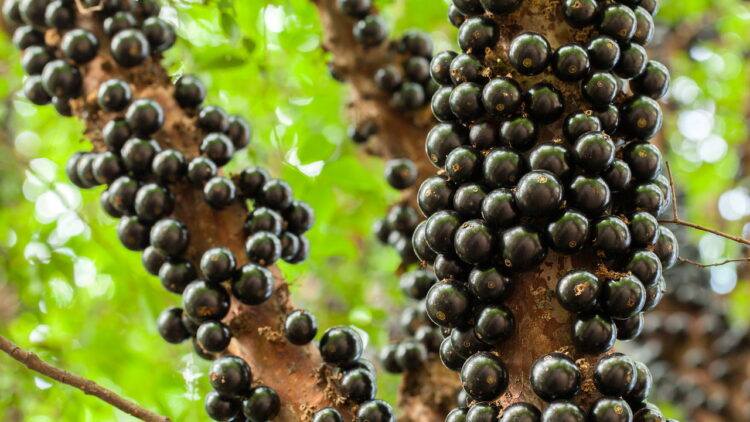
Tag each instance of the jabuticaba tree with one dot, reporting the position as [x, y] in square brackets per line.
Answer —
[542, 214]
[391, 87]
[211, 238]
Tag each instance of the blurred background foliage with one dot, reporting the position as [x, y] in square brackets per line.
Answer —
[71, 293]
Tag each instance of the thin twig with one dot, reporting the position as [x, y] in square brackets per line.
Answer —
[33, 362]
[677, 220]
[716, 264]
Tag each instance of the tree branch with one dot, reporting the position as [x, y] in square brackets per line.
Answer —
[34, 363]
[716, 264]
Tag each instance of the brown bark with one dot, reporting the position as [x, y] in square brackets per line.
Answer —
[296, 373]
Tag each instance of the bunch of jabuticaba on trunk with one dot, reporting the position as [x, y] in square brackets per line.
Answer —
[542, 212]
[213, 239]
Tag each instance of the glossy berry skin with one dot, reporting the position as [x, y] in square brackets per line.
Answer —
[169, 236]
[641, 117]
[370, 31]
[122, 194]
[648, 414]
[160, 35]
[25, 36]
[530, 53]
[579, 13]
[439, 70]
[489, 285]
[252, 284]
[217, 147]
[133, 234]
[61, 79]
[415, 284]
[563, 411]
[474, 242]
[499, 7]
[145, 116]
[570, 62]
[633, 61]
[327, 414]
[520, 133]
[466, 68]
[340, 346]
[644, 29]
[300, 327]
[217, 264]
[611, 236]
[645, 266]
[138, 154]
[442, 139]
[539, 194]
[653, 82]
[59, 15]
[264, 219]
[239, 132]
[569, 233]
[501, 96]
[623, 297]
[213, 119]
[578, 291]
[503, 168]
[354, 8]
[468, 7]
[476, 34]
[79, 45]
[189, 91]
[523, 249]
[358, 385]
[440, 105]
[200, 170]
[118, 22]
[600, 89]
[462, 165]
[220, 408]
[667, 248]
[608, 409]
[440, 230]
[618, 176]
[449, 267]
[130, 47]
[484, 376]
[644, 160]
[219, 192]
[169, 166]
[594, 334]
[466, 101]
[251, 180]
[35, 92]
[115, 133]
[521, 412]
[262, 404]
[400, 173]
[375, 411]
[594, 152]
[604, 52]
[35, 58]
[114, 95]
[615, 375]
[153, 202]
[276, 194]
[213, 336]
[618, 22]
[643, 384]
[153, 259]
[544, 103]
[263, 248]
[448, 304]
[204, 301]
[230, 376]
[481, 412]
[299, 217]
[175, 275]
[171, 329]
[499, 208]
[449, 356]
[555, 376]
[468, 200]
[494, 324]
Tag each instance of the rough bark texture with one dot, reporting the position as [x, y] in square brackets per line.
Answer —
[296, 373]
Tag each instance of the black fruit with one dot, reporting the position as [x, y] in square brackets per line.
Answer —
[340, 346]
[570, 62]
[641, 117]
[580, 13]
[615, 375]
[262, 404]
[466, 68]
[555, 377]
[138, 154]
[578, 291]
[494, 324]
[219, 192]
[611, 236]
[539, 194]
[153, 202]
[200, 170]
[618, 22]
[169, 166]
[79, 45]
[521, 412]
[500, 6]
[370, 31]
[476, 34]
[463, 164]
[633, 61]
[577, 124]
[119, 21]
[129, 47]
[400, 173]
[375, 411]
[466, 101]
[594, 334]
[608, 409]
[153, 259]
[544, 103]
[300, 327]
[653, 82]
[503, 168]
[520, 133]
[448, 304]
[133, 234]
[175, 275]
[61, 79]
[358, 385]
[189, 91]
[604, 52]
[501, 96]
[59, 15]
[213, 336]
[114, 95]
[253, 284]
[217, 264]
[145, 116]
[489, 285]
[217, 147]
[169, 236]
[115, 133]
[327, 414]
[600, 89]
[569, 232]
[170, 326]
[530, 53]
[523, 249]
[499, 208]
[204, 301]
[35, 58]
[594, 151]
[484, 376]
[220, 408]
[34, 90]
[230, 376]
[618, 176]
[160, 34]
